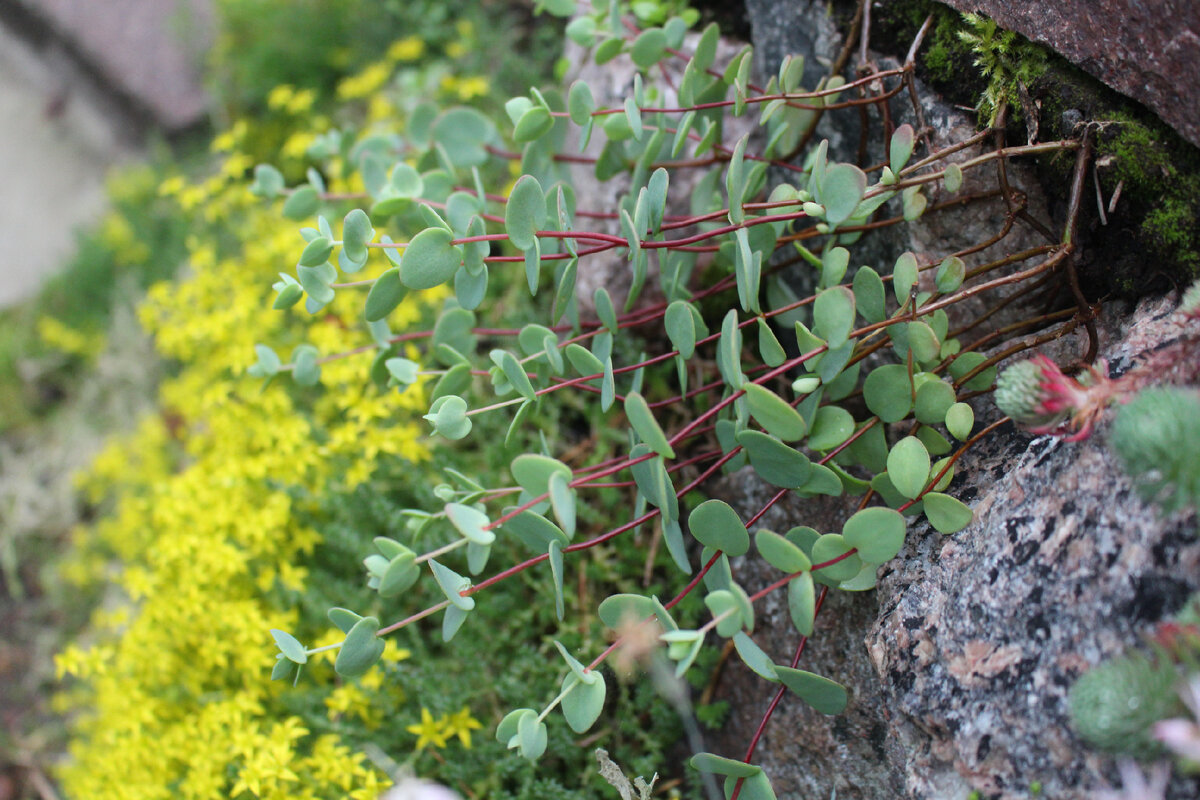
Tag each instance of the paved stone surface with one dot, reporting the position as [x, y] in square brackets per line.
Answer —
[1146, 49]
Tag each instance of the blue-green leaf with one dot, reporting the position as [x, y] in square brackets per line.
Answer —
[361, 649]
[775, 414]
[908, 466]
[430, 259]
[754, 656]
[525, 212]
[290, 646]
[775, 462]
[715, 524]
[642, 419]
[945, 513]
[877, 533]
[826, 696]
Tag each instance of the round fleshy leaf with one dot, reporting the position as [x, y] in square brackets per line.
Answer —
[623, 608]
[754, 656]
[464, 134]
[535, 531]
[533, 471]
[403, 371]
[841, 190]
[826, 696]
[901, 147]
[774, 413]
[723, 605]
[904, 276]
[452, 584]
[343, 618]
[719, 765]
[934, 399]
[833, 315]
[301, 203]
[449, 417]
[829, 547]
[802, 604]
[361, 649]
[507, 729]
[430, 259]
[401, 573]
[769, 348]
[583, 360]
[960, 419]
[781, 553]
[831, 426]
[908, 466]
[776, 463]
[525, 212]
[869, 297]
[968, 362]
[535, 123]
[470, 522]
[290, 646]
[681, 327]
[356, 233]
[268, 181]
[953, 178]
[316, 252]
[531, 737]
[582, 705]
[950, 274]
[642, 419]
[648, 48]
[888, 392]
[718, 526]
[386, 293]
[580, 104]
[945, 513]
[877, 533]
[922, 341]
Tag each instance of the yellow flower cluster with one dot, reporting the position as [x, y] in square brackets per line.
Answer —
[438, 731]
[56, 334]
[173, 700]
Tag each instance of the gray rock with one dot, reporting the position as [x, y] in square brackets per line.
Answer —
[1149, 51]
[959, 664]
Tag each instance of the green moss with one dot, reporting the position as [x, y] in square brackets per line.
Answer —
[1161, 181]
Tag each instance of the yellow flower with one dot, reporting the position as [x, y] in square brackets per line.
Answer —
[460, 724]
[408, 49]
[428, 731]
[472, 86]
[456, 50]
[280, 96]
[365, 83]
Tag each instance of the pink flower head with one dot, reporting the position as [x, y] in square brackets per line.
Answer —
[1037, 394]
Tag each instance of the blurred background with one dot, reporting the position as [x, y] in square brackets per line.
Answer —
[106, 103]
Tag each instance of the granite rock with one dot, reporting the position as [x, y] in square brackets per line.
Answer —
[960, 662]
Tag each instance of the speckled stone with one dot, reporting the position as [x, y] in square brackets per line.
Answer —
[960, 662]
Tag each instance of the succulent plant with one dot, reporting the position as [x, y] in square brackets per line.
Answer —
[1114, 705]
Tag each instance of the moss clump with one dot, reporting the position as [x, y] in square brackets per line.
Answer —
[1114, 705]
[1163, 174]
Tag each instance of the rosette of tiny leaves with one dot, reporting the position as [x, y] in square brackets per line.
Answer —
[1113, 705]
[1024, 390]
[1157, 436]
